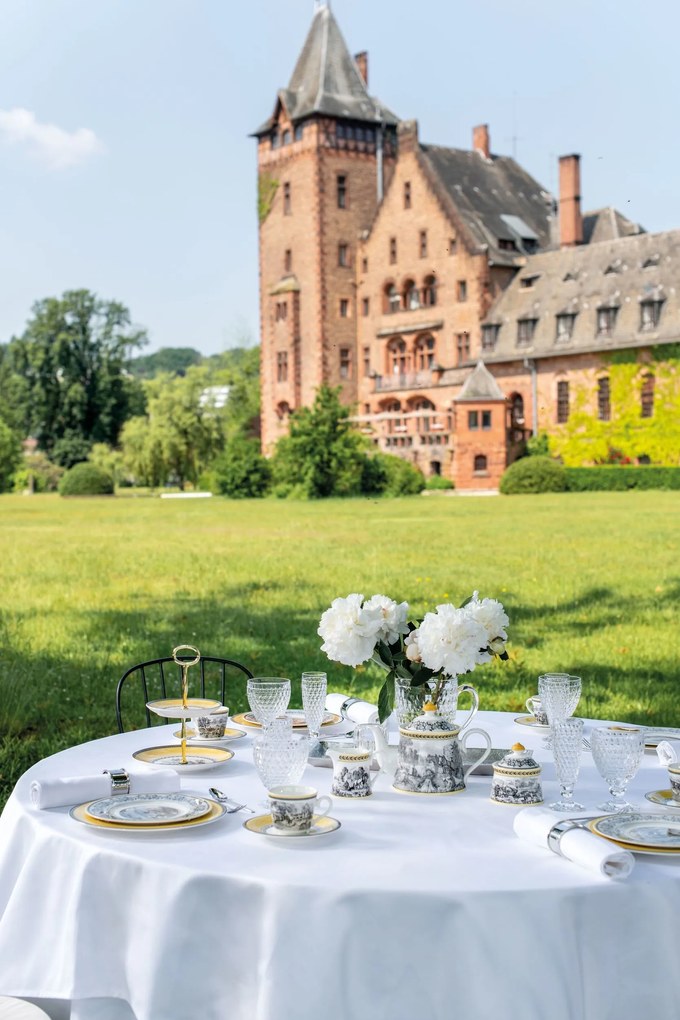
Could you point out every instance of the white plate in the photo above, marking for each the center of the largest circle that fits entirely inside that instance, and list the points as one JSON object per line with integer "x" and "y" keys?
{"x": 664, "y": 797}
{"x": 172, "y": 708}
{"x": 530, "y": 720}
{"x": 296, "y": 716}
{"x": 149, "y": 808}
{"x": 231, "y": 733}
{"x": 198, "y": 759}
{"x": 637, "y": 831}
{"x": 263, "y": 825}
{"x": 79, "y": 814}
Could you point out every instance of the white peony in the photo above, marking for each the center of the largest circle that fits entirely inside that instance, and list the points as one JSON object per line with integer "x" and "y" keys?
{"x": 350, "y": 630}
{"x": 411, "y": 647}
{"x": 450, "y": 640}
{"x": 394, "y": 617}
{"x": 493, "y": 618}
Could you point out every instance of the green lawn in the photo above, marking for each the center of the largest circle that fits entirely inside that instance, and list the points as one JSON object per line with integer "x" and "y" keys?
{"x": 591, "y": 583}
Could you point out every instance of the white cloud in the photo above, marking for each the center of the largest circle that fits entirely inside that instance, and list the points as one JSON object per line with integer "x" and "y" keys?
{"x": 53, "y": 145}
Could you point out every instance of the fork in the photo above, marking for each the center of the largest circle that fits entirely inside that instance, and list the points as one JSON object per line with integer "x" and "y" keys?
{"x": 586, "y": 744}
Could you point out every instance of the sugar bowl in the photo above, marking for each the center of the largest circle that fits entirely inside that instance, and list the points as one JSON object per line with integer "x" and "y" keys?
{"x": 516, "y": 778}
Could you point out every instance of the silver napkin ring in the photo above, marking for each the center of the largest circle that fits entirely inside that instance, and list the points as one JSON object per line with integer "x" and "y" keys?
{"x": 347, "y": 703}
{"x": 120, "y": 780}
{"x": 558, "y": 830}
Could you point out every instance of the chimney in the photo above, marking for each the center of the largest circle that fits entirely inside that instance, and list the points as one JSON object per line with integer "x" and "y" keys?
{"x": 361, "y": 60}
{"x": 571, "y": 221}
{"x": 407, "y": 135}
{"x": 480, "y": 140}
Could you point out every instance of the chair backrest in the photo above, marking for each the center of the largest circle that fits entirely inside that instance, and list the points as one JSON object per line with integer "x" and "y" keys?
{"x": 212, "y": 677}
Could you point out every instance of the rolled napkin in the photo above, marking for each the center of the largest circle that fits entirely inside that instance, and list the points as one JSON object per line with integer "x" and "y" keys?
{"x": 578, "y": 845}
{"x": 666, "y": 753}
{"x": 64, "y": 790}
{"x": 351, "y": 708}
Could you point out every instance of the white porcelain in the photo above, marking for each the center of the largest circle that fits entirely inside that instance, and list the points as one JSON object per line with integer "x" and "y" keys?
{"x": 535, "y": 709}
{"x": 674, "y": 777}
{"x": 516, "y": 778}
{"x": 430, "y": 760}
{"x": 351, "y": 769}
{"x": 211, "y": 727}
{"x": 293, "y": 807}
{"x": 172, "y": 708}
{"x": 148, "y": 808}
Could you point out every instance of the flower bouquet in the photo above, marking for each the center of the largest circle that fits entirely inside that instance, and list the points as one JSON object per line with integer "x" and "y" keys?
{"x": 446, "y": 643}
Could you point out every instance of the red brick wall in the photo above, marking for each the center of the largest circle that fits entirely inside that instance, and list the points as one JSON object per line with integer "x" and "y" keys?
{"x": 479, "y": 442}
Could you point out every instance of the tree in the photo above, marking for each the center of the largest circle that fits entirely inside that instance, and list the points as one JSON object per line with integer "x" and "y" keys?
{"x": 68, "y": 377}
{"x": 242, "y": 471}
{"x": 10, "y": 455}
{"x": 172, "y": 360}
{"x": 323, "y": 455}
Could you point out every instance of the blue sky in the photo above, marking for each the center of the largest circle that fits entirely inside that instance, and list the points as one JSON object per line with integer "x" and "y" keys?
{"x": 125, "y": 161}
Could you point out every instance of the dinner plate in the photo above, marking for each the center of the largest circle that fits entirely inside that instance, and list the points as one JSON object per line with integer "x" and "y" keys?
{"x": 198, "y": 758}
{"x": 664, "y": 797}
{"x": 172, "y": 708}
{"x": 530, "y": 720}
{"x": 230, "y": 733}
{"x": 263, "y": 825}
{"x": 296, "y": 715}
{"x": 148, "y": 808}
{"x": 80, "y": 814}
{"x": 655, "y": 734}
{"x": 640, "y": 832}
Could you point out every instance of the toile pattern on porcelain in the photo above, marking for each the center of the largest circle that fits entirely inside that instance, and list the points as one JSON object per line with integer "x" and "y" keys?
{"x": 516, "y": 778}
{"x": 351, "y": 769}
{"x": 430, "y": 760}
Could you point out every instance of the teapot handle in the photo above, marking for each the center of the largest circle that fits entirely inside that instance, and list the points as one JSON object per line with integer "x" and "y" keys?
{"x": 485, "y": 751}
{"x": 475, "y": 704}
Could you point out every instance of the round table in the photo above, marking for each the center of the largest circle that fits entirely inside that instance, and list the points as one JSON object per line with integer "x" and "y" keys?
{"x": 418, "y": 908}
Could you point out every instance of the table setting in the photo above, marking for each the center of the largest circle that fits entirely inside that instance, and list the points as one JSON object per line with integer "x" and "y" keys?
{"x": 346, "y": 832}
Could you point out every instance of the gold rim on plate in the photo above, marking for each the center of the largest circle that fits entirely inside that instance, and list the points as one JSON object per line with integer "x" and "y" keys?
{"x": 79, "y": 813}
{"x": 230, "y": 733}
{"x": 248, "y": 719}
{"x": 263, "y": 825}
{"x": 530, "y": 720}
{"x": 636, "y": 846}
{"x": 205, "y": 756}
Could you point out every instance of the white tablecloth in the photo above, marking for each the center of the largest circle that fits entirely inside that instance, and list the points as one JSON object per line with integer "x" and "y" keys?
{"x": 419, "y": 908}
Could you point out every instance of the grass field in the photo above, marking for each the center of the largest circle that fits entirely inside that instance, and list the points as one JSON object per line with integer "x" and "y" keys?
{"x": 591, "y": 583}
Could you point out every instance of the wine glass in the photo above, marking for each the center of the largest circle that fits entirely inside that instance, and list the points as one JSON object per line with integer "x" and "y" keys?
{"x": 559, "y": 694}
{"x": 617, "y": 753}
{"x": 314, "y": 687}
{"x": 268, "y": 697}
{"x": 567, "y": 745}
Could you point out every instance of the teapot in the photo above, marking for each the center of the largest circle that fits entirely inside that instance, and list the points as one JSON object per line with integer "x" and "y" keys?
{"x": 351, "y": 768}
{"x": 430, "y": 759}
{"x": 386, "y": 755}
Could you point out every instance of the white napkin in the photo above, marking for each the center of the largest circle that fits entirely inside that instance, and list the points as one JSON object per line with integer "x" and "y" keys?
{"x": 666, "y": 753}
{"x": 578, "y": 845}
{"x": 63, "y": 790}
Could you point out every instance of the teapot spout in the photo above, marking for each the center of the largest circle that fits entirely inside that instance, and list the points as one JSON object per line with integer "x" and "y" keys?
{"x": 386, "y": 755}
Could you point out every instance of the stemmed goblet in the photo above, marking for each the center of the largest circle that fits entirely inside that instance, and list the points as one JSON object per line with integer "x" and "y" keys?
{"x": 567, "y": 745}
{"x": 314, "y": 686}
{"x": 559, "y": 693}
{"x": 617, "y": 753}
{"x": 268, "y": 697}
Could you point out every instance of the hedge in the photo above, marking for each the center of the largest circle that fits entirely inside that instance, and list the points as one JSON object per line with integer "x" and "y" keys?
{"x": 86, "y": 480}
{"x": 615, "y": 478}
{"x": 533, "y": 474}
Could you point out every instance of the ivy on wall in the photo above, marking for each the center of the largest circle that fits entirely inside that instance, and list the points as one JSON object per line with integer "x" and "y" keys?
{"x": 584, "y": 439}
{"x": 267, "y": 186}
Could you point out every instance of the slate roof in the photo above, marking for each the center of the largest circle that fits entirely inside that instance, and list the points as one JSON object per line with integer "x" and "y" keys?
{"x": 496, "y": 198}
{"x": 607, "y": 224}
{"x": 618, "y": 274}
{"x": 480, "y": 385}
{"x": 326, "y": 80}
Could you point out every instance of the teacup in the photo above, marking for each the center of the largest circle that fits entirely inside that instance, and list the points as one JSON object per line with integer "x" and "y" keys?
{"x": 211, "y": 727}
{"x": 674, "y": 776}
{"x": 535, "y": 707}
{"x": 293, "y": 807}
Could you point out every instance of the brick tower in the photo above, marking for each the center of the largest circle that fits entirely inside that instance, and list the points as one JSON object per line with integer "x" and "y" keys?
{"x": 324, "y": 158}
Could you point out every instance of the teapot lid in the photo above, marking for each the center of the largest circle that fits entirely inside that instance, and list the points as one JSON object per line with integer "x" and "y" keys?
{"x": 431, "y": 723}
{"x": 518, "y": 759}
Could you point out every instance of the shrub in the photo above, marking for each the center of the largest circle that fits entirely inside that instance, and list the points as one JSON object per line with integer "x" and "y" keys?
{"x": 533, "y": 474}
{"x": 86, "y": 480}
{"x": 241, "y": 471}
{"x": 538, "y": 445}
{"x": 39, "y": 470}
{"x": 385, "y": 474}
{"x": 611, "y": 478}
{"x": 438, "y": 482}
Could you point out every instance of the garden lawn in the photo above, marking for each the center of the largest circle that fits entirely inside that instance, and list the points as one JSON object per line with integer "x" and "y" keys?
{"x": 88, "y": 587}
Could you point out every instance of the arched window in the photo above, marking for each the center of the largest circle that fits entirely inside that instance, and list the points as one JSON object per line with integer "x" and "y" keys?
{"x": 392, "y": 407}
{"x": 430, "y": 291}
{"x": 480, "y": 464}
{"x": 435, "y": 467}
{"x": 283, "y": 411}
{"x": 424, "y": 353}
{"x": 392, "y": 300}
{"x": 411, "y": 296}
{"x": 423, "y": 421}
{"x": 396, "y": 356}
{"x": 516, "y": 410}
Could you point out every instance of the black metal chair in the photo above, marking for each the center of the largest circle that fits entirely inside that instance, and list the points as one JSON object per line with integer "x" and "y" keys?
{"x": 211, "y": 677}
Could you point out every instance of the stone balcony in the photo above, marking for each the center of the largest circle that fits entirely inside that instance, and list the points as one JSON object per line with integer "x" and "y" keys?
{"x": 405, "y": 381}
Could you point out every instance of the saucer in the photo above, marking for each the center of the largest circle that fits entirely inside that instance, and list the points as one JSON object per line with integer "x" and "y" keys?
{"x": 530, "y": 720}
{"x": 296, "y": 716}
{"x": 664, "y": 797}
{"x": 231, "y": 733}
{"x": 263, "y": 825}
{"x": 198, "y": 759}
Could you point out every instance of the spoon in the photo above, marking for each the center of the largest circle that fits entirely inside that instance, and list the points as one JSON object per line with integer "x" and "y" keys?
{"x": 218, "y": 795}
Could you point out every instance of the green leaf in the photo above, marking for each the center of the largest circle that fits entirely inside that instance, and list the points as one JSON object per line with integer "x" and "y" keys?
{"x": 466, "y": 601}
{"x": 421, "y": 676}
{"x": 386, "y": 698}
{"x": 384, "y": 652}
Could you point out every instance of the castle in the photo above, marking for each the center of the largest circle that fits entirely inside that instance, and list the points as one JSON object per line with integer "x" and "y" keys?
{"x": 459, "y": 307}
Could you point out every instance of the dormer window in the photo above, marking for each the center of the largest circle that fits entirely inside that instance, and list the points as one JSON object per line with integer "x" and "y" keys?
{"x": 527, "y": 282}
{"x": 565, "y": 326}
{"x": 614, "y": 267}
{"x": 650, "y": 314}
{"x": 275, "y": 139}
{"x": 505, "y": 244}
{"x": 606, "y": 320}
{"x": 569, "y": 276}
{"x": 525, "y": 331}
{"x": 652, "y": 261}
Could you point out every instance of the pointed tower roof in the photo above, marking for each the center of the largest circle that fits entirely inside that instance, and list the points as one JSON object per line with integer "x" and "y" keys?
{"x": 327, "y": 80}
{"x": 480, "y": 385}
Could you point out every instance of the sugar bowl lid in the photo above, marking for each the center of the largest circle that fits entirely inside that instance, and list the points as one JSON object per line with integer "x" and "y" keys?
{"x": 517, "y": 761}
